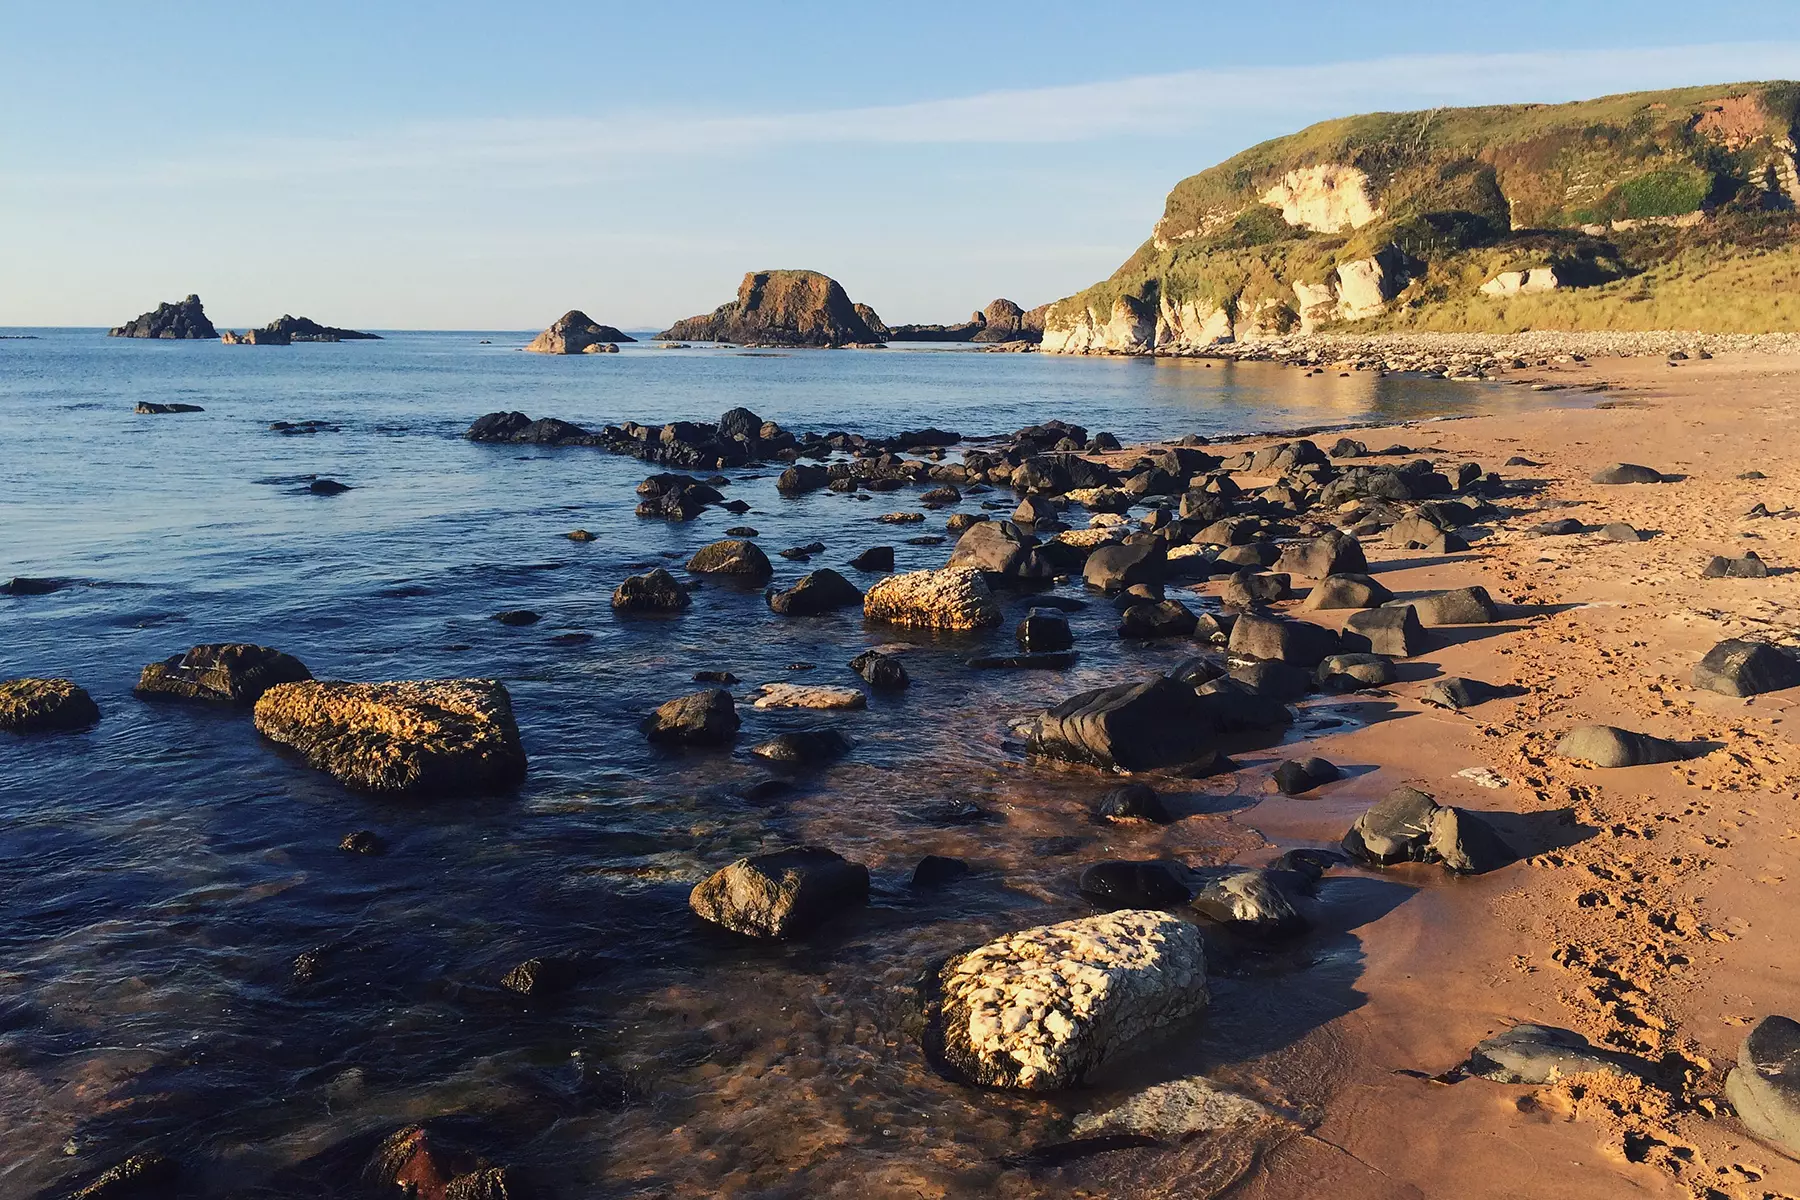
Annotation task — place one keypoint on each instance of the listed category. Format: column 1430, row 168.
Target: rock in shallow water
column 803, row 747
column 427, row 738
column 1130, row 727
column 1042, row 1008
column 147, row 1176
column 797, row 695
column 1123, row 883
column 233, row 672
column 654, row 591
column 704, row 718
column 732, row 556
column 781, row 894
column 45, row 706
column 883, row 671
column 956, row 599
column 818, row 592
column 1133, row 802
column 1410, row 826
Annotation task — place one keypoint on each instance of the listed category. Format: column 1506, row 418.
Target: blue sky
column 460, row 165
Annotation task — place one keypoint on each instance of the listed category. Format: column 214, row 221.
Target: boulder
column 422, row 739
column 1000, row 548
column 875, row 558
column 425, row 1162
column 185, row 320
column 781, row 894
column 704, row 718
column 796, row 695
column 1133, row 802
column 1354, row 672
column 1297, row 642
column 938, row 870
column 1297, row 776
column 780, row 308
column 1457, row 694
column 149, row 408
column 1764, row 1087
column 1539, row 1054
column 654, row 591
column 1330, row 554
column 732, row 556
column 1250, row 554
column 1116, row 567
column 1251, row 901
column 1609, row 746
column 1743, row 668
column 363, row 841
column 1397, row 829
column 1042, row 1008
column 233, row 672
column 1248, row 589
column 1626, row 473
column 818, row 592
column 1558, row 528
column 575, row 333
column 883, row 671
column 1160, row 619
column 45, row 706
column 1465, row 843
column 800, row 478
column 1347, row 591
column 1274, row 679
column 1750, row 566
column 516, row 428
column 1044, row 629
column 1394, row 632
column 803, row 747
column 947, row 599
column 1125, row 884
column 1460, row 606
column 27, row 585
column 1128, row 727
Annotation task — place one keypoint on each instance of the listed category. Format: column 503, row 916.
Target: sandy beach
column 1650, row 914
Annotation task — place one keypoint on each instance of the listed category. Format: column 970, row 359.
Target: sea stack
column 185, row 321
column 577, row 333
column 781, row 308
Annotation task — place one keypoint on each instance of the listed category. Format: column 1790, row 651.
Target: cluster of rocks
column 286, row 330
column 1479, row 355
column 1000, row 322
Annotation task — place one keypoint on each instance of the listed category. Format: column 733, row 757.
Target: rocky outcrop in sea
column 781, row 308
column 577, row 333
column 183, row 321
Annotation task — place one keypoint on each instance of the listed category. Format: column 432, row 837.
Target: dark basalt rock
column 937, row 870
column 184, row 321
column 715, row 677
column 1626, row 473
column 231, row 672
column 732, row 556
column 1000, row 548
column 1124, row 884
column 1116, row 567
column 803, row 747
column 1236, row 708
column 327, row 487
column 818, row 592
column 145, row 1176
column 1131, row 727
column 1330, row 554
column 1764, row 1087
column 1460, row 606
column 1297, row 642
column 286, row 328
column 781, row 894
column 704, row 718
column 1559, row 528
column 1354, row 672
column 146, row 408
column 802, row 553
column 1619, row 531
column 654, row 591
column 1044, row 630
column 1409, row 826
column 875, row 558
column 363, row 841
column 517, row 428
column 1538, row 1054
column 1457, row 693
column 1133, row 802
column 1294, row 777
column 883, row 671
column 1743, row 668
column 1260, row 903
column 1394, row 632
column 1348, row 591
column 1750, row 566
column 801, row 478
column 517, row 616
column 1466, row 844
column 1608, row 746
column 1161, row 619
column 25, row 585
column 1274, row 679
column 780, row 308
column 1250, row 589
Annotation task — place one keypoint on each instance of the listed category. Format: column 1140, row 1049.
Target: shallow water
column 162, row 872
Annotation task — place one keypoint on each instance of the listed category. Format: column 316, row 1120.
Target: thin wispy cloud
column 1183, row 104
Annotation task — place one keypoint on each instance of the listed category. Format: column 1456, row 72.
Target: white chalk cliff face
column 1128, row 329
column 1327, row 198
column 1355, row 290
column 1175, row 327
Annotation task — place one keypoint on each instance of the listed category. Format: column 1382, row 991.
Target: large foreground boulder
column 576, row 333
column 185, row 321
column 1042, row 1008
column 780, row 894
column 1129, row 727
column 780, row 308
column 232, row 672
column 428, row 738
column 1742, row 668
column 1764, row 1087
column 1000, row 548
column 45, row 706
column 947, row 599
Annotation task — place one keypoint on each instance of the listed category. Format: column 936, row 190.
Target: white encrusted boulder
column 1042, row 1008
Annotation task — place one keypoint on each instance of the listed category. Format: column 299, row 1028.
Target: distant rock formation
column 577, row 333
column 184, row 321
column 781, row 308
column 286, row 330
column 873, row 320
column 1001, row 321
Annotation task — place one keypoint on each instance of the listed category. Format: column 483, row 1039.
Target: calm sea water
column 161, row 873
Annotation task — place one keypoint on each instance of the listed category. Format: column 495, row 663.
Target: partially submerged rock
column 1539, row 1054
column 797, row 695
column 1042, row 1008
column 654, row 591
column 1123, row 883
column 1295, row 777
column 45, row 706
column 576, row 333
column 1129, row 727
column 704, row 718
column 883, row 671
column 737, row 557
column 1133, row 802
column 143, row 1176
column 231, row 672
column 1171, row 1111
column 427, row 738
column 949, row 599
column 1250, row 901
column 781, row 894
column 819, row 592
column 803, row 747
column 1610, row 746
column 1743, row 668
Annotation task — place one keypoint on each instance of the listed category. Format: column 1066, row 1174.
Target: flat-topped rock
column 797, row 695
column 45, row 706
column 1041, row 1009
column 950, row 599
column 231, row 672
column 576, row 333
column 424, row 738
column 1458, row 606
column 1130, row 727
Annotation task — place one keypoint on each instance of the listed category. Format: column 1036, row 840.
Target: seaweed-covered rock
column 233, row 672
column 45, row 706
column 418, row 738
column 781, row 894
column 1042, row 1008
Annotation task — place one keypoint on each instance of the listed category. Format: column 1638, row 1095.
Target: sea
column 189, row 964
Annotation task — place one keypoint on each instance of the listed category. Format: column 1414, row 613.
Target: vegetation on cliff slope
column 1656, row 210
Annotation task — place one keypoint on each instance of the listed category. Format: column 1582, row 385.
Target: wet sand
column 1654, row 915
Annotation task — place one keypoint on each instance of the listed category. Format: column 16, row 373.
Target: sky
column 484, row 166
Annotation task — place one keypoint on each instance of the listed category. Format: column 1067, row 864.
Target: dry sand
column 1655, row 916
